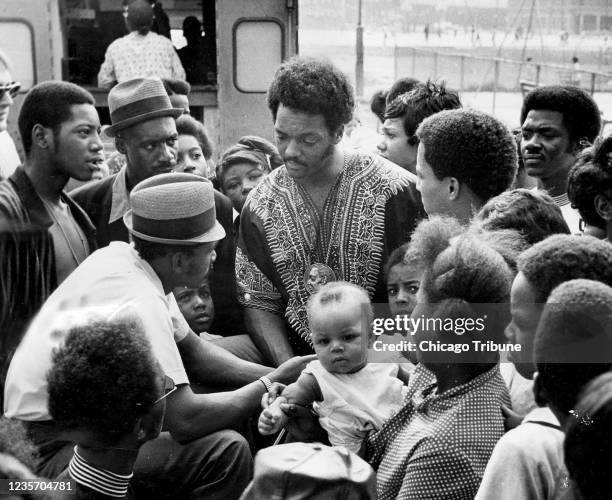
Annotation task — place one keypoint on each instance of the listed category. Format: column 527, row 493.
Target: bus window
column 17, row 44
column 258, row 51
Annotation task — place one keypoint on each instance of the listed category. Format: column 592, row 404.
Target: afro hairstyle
column 590, row 177
column 561, row 258
column 508, row 242
column 49, row 104
column 315, row 87
column 475, row 148
column 573, row 342
column 534, row 214
column 462, row 267
column 104, row 378
column 581, row 116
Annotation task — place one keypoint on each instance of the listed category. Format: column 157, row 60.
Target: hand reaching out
column 272, row 419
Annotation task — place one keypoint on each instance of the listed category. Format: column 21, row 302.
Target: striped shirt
column 102, row 481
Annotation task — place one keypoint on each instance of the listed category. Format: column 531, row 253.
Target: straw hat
column 174, row 209
column 138, row 100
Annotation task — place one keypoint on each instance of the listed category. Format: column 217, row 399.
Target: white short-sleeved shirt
column 527, row 462
column 114, row 281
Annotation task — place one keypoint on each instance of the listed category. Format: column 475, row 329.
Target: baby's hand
column 270, row 421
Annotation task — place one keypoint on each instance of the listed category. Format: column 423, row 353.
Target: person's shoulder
column 161, row 39
column 381, row 369
column 278, row 180
column 313, row 367
column 93, row 191
column 531, row 442
column 378, row 167
column 395, row 171
column 7, row 189
column 492, row 384
column 122, row 265
column 12, row 201
column 118, row 42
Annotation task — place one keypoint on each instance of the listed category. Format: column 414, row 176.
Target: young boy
column 572, row 345
column 198, row 309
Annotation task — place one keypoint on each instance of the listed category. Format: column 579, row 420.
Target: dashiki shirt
column 438, row 445
column 286, row 250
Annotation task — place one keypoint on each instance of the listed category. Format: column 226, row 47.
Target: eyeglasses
column 11, row 87
column 169, row 388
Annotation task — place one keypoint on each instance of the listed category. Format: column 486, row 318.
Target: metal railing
column 468, row 73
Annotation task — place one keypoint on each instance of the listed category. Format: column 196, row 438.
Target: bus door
column 253, row 38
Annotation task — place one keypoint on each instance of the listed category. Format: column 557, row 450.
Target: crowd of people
column 163, row 324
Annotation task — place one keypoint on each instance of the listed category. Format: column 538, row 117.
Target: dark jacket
column 27, row 263
column 96, row 199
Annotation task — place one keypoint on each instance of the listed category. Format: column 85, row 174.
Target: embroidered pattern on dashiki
column 250, row 278
column 438, row 445
column 352, row 229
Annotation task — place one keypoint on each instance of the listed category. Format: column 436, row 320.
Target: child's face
column 340, row 337
column 402, row 286
column 525, row 314
column 197, row 306
column 240, row 179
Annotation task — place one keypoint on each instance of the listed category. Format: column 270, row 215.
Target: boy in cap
column 174, row 232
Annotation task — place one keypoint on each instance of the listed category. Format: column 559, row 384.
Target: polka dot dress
column 438, row 445
column 137, row 56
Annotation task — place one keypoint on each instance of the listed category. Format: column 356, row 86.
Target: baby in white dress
column 351, row 396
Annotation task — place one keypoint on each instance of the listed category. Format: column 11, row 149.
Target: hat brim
column 112, row 130
column 216, row 233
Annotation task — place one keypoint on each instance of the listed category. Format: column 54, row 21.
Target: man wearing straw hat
column 174, row 232
column 144, row 129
